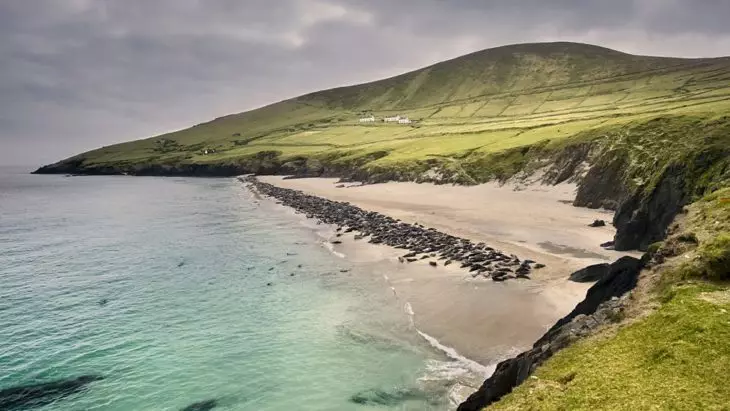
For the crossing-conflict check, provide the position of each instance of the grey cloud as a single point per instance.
(79, 74)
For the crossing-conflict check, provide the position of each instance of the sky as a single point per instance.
(80, 74)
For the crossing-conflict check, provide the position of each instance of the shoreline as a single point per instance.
(462, 311)
(470, 319)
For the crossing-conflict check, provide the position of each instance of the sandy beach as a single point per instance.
(483, 320)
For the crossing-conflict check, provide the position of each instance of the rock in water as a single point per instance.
(201, 406)
(380, 397)
(36, 395)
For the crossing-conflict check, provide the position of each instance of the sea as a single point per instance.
(179, 291)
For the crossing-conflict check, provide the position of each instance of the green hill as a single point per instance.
(481, 103)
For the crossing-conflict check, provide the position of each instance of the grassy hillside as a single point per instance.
(482, 103)
(672, 349)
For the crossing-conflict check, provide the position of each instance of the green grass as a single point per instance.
(676, 358)
(709, 226)
(485, 102)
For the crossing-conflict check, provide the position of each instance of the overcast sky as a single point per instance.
(80, 74)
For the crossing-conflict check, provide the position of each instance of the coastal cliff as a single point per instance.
(645, 328)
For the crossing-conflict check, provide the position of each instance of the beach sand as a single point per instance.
(482, 320)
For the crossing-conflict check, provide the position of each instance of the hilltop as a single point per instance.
(483, 102)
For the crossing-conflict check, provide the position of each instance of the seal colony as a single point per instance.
(421, 242)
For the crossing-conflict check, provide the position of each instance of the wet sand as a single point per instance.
(483, 320)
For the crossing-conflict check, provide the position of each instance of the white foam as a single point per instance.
(454, 355)
(461, 365)
(329, 246)
(409, 309)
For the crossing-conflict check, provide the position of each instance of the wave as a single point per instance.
(329, 246)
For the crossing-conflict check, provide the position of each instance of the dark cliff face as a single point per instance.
(604, 185)
(645, 216)
(601, 306)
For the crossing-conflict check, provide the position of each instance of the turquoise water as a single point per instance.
(183, 290)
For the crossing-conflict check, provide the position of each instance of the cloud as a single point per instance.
(79, 74)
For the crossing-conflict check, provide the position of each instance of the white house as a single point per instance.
(370, 119)
(404, 120)
(392, 119)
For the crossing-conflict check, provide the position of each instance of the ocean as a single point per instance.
(183, 290)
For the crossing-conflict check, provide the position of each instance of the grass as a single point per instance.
(676, 358)
(709, 227)
(486, 102)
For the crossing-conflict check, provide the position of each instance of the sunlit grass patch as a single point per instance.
(676, 358)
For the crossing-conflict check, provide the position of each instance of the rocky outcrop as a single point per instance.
(39, 394)
(644, 217)
(604, 185)
(568, 164)
(206, 405)
(603, 304)
(591, 273)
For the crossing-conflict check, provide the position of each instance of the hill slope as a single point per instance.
(644, 123)
(485, 101)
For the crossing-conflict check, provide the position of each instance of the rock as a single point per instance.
(609, 245)
(432, 263)
(36, 395)
(644, 216)
(206, 405)
(621, 277)
(377, 397)
(591, 273)
(269, 284)
(336, 242)
(539, 266)
(597, 223)
(345, 270)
